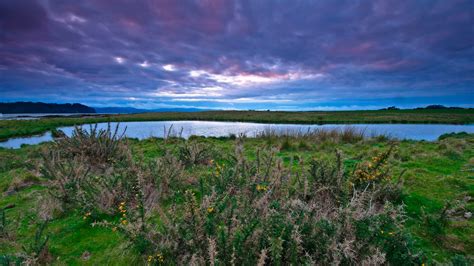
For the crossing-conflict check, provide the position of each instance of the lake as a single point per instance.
(142, 130)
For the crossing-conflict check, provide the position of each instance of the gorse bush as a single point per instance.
(99, 145)
(192, 153)
(192, 207)
(259, 214)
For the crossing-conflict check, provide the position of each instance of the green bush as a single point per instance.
(460, 260)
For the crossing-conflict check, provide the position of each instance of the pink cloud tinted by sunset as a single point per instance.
(238, 54)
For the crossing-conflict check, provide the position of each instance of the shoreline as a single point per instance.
(27, 127)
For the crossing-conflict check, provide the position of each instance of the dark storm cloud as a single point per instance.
(238, 54)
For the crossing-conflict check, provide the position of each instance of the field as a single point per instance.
(318, 198)
(15, 128)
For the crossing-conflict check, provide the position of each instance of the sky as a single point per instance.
(217, 54)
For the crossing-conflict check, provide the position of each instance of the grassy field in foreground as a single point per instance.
(14, 128)
(274, 200)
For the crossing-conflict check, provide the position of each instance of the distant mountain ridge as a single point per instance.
(75, 108)
(131, 110)
(55, 108)
(44, 108)
(119, 110)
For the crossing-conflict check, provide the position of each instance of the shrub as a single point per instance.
(194, 153)
(99, 146)
(460, 260)
(286, 144)
(36, 252)
(453, 135)
(98, 188)
(248, 212)
(57, 133)
(241, 211)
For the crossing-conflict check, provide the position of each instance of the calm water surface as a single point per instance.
(142, 130)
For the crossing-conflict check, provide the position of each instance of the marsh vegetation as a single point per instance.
(324, 197)
(16, 128)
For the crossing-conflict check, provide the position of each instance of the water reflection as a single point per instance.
(142, 130)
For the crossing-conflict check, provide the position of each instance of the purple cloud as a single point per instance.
(238, 54)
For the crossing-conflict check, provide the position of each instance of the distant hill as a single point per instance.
(119, 110)
(131, 110)
(438, 107)
(429, 107)
(43, 108)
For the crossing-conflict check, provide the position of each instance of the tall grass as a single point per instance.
(345, 134)
(290, 139)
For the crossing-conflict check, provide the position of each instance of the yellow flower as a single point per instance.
(261, 188)
(159, 257)
(210, 210)
(87, 214)
(219, 168)
(124, 222)
(150, 258)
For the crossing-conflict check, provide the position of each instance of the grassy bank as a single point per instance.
(14, 128)
(274, 199)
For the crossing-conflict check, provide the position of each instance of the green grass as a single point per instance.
(14, 128)
(436, 172)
